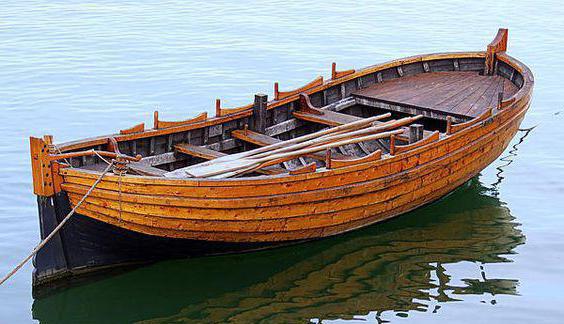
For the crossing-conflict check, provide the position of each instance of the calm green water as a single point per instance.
(492, 251)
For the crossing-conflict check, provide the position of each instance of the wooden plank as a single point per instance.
(208, 154)
(160, 159)
(424, 85)
(465, 106)
(146, 170)
(41, 167)
(279, 95)
(434, 96)
(487, 99)
(410, 86)
(198, 151)
(449, 103)
(294, 123)
(139, 128)
(161, 124)
(254, 187)
(303, 196)
(329, 118)
(460, 93)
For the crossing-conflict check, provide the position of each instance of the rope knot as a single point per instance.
(120, 166)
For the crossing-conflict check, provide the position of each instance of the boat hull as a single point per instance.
(86, 244)
(132, 219)
(310, 207)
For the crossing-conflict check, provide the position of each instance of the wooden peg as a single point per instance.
(217, 108)
(392, 144)
(276, 91)
(450, 121)
(156, 120)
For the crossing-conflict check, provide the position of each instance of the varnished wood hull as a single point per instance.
(302, 208)
(166, 217)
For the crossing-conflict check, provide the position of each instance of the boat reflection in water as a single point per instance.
(386, 270)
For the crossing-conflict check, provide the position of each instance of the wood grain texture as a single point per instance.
(279, 95)
(325, 217)
(498, 45)
(319, 202)
(220, 112)
(139, 128)
(460, 93)
(339, 74)
(161, 124)
(41, 168)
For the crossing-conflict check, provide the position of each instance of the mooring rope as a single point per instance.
(42, 243)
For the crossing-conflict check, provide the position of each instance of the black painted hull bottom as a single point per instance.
(85, 245)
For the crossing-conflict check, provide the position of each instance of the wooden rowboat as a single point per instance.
(330, 157)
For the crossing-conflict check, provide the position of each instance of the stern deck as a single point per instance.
(463, 95)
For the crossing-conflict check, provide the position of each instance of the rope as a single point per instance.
(42, 243)
(101, 157)
(119, 188)
(67, 161)
(120, 169)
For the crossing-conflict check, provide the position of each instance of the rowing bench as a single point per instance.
(209, 154)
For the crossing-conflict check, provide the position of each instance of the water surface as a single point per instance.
(491, 251)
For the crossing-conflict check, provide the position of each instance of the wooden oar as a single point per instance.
(341, 135)
(246, 165)
(354, 125)
(310, 143)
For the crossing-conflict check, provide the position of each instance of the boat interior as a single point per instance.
(443, 94)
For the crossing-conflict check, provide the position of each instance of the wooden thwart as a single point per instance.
(145, 170)
(329, 118)
(208, 154)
